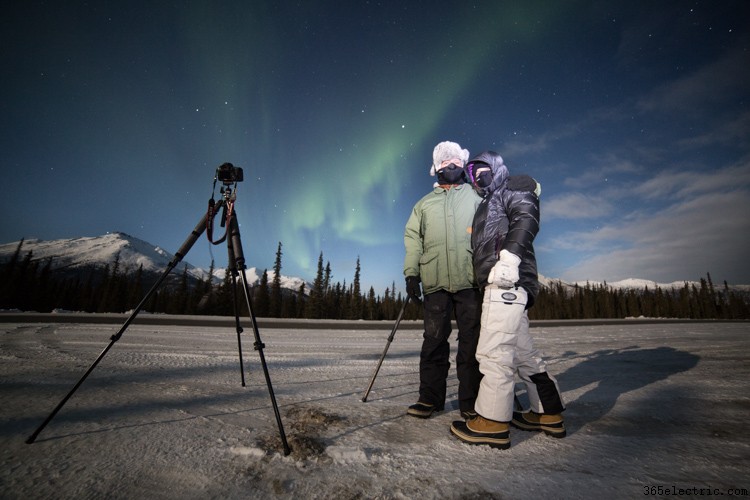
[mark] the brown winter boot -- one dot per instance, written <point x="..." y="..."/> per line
<point x="480" y="430"/>
<point x="552" y="425"/>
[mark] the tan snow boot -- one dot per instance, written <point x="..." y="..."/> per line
<point x="552" y="425"/>
<point x="480" y="430"/>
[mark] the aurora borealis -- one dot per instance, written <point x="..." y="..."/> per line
<point x="633" y="116"/>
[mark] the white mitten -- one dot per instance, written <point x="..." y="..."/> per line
<point x="504" y="274"/>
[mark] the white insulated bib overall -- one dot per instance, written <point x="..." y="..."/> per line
<point x="504" y="349"/>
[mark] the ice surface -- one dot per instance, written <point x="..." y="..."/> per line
<point x="164" y="415"/>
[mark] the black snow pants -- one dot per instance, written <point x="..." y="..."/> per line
<point x="434" y="363"/>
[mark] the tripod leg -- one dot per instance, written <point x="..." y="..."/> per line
<point x="33" y="437"/>
<point x="239" y="257"/>
<point x="184" y="249"/>
<point x="259" y="347"/>
<point x="387" y="345"/>
<point x="233" y="269"/>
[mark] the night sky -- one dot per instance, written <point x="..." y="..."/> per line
<point x="633" y="115"/>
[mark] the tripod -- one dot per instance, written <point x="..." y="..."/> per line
<point x="236" y="265"/>
<point x="237" y="268"/>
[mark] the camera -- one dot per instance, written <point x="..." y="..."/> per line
<point x="229" y="174"/>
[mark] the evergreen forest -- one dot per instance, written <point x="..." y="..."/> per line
<point x="29" y="284"/>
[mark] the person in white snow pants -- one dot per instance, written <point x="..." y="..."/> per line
<point x="505" y="225"/>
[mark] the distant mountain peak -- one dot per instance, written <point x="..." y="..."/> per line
<point x="78" y="254"/>
<point x="92" y="251"/>
<point x="74" y="255"/>
<point x="634" y="283"/>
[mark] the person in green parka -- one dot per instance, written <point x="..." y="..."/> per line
<point x="439" y="256"/>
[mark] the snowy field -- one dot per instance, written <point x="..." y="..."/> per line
<point x="653" y="410"/>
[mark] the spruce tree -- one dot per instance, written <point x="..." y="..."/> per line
<point x="276" y="305"/>
<point x="356" y="299"/>
<point x="262" y="296"/>
<point x="370" y="307"/>
<point x="327" y="299"/>
<point x="9" y="278"/>
<point x="301" y="302"/>
<point x="314" y="308"/>
<point x="225" y="296"/>
<point x="205" y="296"/>
<point x="178" y="303"/>
<point x="135" y="289"/>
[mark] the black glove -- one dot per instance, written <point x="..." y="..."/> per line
<point x="413" y="289"/>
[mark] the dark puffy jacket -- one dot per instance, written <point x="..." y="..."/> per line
<point x="506" y="219"/>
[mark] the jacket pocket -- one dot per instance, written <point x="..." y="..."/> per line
<point x="468" y="268"/>
<point x="502" y="316"/>
<point x="429" y="271"/>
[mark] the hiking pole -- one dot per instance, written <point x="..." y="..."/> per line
<point x="184" y="249"/>
<point x="387" y="345"/>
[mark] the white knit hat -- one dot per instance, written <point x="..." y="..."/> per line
<point x="447" y="150"/>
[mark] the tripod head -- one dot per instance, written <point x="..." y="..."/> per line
<point x="229" y="175"/>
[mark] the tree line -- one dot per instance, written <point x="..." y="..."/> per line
<point x="704" y="301"/>
<point x="30" y="284"/>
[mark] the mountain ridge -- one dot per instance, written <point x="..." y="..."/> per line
<point x="72" y="255"/>
<point x="85" y="252"/>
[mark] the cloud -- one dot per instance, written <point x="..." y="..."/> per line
<point x="685" y="223"/>
<point x="683" y="184"/>
<point x="732" y="131"/>
<point x="704" y="233"/>
<point x="605" y="167"/>
<point x="576" y="206"/>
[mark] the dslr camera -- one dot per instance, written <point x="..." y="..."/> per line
<point x="229" y="174"/>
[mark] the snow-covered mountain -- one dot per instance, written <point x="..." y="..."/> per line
<point x="637" y="284"/>
<point x="77" y="255"/>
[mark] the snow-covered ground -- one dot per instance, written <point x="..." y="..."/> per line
<point x="653" y="410"/>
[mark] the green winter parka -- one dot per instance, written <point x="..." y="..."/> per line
<point x="438" y="239"/>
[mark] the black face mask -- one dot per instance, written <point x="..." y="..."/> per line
<point x="450" y="175"/>
<point x="484" y="179"/>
